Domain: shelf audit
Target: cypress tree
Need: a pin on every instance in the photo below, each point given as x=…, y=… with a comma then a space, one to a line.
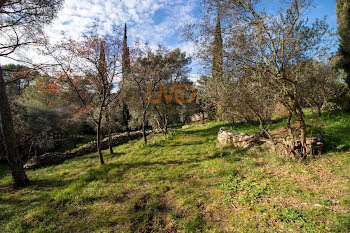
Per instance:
x=343, y=19
x=125, y=71
x=126, y=54
x=217, y=72
x=217, y=68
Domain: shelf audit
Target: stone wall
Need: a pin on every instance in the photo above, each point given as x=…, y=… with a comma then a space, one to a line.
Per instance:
x=91, y=147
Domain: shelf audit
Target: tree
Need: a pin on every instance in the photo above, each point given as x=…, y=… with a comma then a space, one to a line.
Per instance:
x=167, y=112
x=17, y=78
x=270, y=44
x=217, y=67
x=125, y=71
x=126, y=54
x=105, y=86
x=10, y=141
x=343, y=18
x=319, y=84
x=20, y=21
x=146, y=71
x=149, y=70
x=95, y=63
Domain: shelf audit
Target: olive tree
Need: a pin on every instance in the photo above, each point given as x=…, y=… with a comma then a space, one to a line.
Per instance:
x=319, y=84
x=272, y=44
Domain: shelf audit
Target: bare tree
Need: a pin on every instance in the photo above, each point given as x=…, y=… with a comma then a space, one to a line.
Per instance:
x=97, y=60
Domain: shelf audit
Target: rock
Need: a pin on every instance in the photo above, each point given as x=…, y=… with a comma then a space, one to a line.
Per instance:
x=186, y=126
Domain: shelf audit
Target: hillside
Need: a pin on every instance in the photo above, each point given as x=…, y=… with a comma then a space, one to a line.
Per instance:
x=186, y=183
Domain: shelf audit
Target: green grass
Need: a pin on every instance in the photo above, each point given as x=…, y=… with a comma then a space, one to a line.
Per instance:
x=185, y=183
x=334, y=128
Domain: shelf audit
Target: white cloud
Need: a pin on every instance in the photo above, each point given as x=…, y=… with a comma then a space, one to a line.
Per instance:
x=77, y=16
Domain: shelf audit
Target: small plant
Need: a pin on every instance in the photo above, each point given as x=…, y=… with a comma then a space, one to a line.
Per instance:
x=246, y=191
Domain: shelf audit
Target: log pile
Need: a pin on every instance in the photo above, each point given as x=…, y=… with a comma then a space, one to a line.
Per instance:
x=293, y=148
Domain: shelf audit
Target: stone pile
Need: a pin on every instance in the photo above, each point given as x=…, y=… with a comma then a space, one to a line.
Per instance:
x=289, y=147
x=241, y=140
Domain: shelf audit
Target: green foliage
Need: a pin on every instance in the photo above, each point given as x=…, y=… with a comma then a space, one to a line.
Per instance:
x=343, y=18
x=217, y=66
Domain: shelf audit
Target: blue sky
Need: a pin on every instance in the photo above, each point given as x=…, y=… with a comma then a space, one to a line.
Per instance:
x=155, y=21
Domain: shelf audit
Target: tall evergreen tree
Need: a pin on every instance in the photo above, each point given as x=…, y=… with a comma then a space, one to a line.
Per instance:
x=343, y=18
x=217, y=68
x=125, y=71
x=126, y=54
x=217, y=72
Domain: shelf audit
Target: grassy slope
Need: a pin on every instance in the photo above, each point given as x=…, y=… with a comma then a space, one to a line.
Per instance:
x=185, y=183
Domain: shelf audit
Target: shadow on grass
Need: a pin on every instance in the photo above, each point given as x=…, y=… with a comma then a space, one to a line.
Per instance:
x=187, y=144
x=35, y=184
x=335, y=133
x=36, y=194
x=4, y=170
x=209, y=131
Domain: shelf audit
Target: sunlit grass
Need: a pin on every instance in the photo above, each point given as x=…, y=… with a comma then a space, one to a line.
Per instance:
x=185, y=183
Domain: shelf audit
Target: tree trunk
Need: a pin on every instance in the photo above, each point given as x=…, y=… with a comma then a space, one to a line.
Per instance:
x=264, y=130
x=108, y=123
x=203, y=116
x=300, y=118
x=289, y=128
x=319, y=113
x=144, y=128
x=98, y=138
x=165, y=126
x=261, y=122
x=10, y=140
